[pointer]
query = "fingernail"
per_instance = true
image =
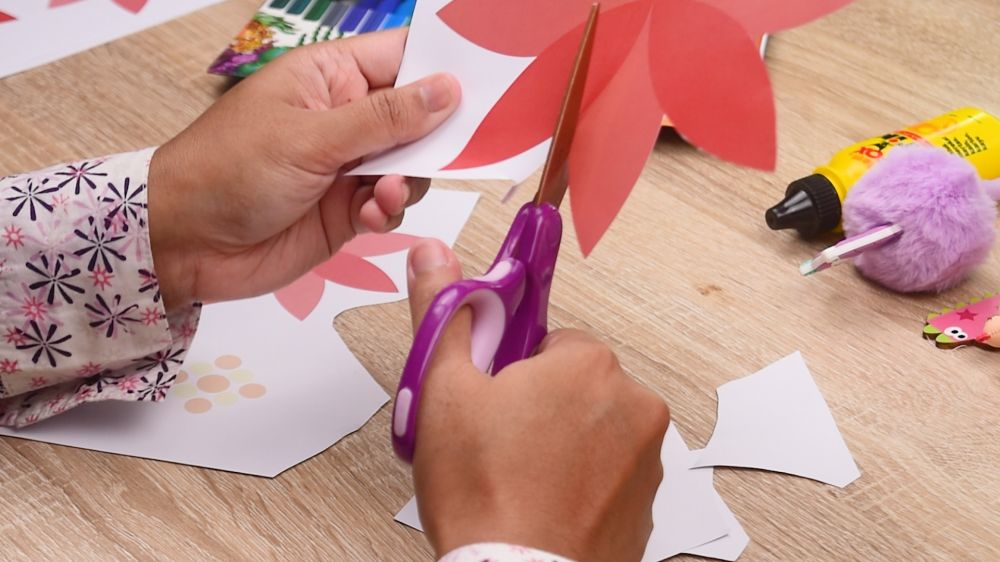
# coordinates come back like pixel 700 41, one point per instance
pixel 427 256
pixel 404 195
pixel 436 92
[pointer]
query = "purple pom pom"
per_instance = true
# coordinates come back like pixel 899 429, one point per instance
pixel 948 219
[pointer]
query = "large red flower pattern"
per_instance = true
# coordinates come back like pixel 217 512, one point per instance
pixel 695 60
pixel 347 267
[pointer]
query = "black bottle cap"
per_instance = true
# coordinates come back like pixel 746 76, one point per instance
pixel 811 206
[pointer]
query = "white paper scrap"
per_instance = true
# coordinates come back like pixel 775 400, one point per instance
pixel 776 419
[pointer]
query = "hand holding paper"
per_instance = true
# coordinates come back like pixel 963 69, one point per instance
pixel 279 203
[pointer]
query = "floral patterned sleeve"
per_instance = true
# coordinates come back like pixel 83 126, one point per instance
pixel 497 552
pixel 81 319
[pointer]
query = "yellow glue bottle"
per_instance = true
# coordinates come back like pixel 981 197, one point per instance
pixel 812 205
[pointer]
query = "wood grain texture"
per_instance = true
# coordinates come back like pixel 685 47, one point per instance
pixel 689 287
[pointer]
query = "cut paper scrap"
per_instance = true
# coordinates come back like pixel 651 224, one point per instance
pixel 688 514
pixel 347 267
pixel 48 31
pixel 694 61
pixel 729 547
pixel 686 511
pixel 5 17
pixel 260 391
pixel 975 322
pixel 776 419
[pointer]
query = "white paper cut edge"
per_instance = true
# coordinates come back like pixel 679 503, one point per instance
pixel 317 391
pixel 776 419
pixel 686 511
pixel 409 515
pixel 41 35
pixel 485 76
pixel 729 547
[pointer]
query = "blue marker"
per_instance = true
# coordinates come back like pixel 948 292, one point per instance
pixel 354 17
pixel 401 16
pixel 374 21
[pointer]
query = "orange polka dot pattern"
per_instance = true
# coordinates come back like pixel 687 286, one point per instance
pixel 221 383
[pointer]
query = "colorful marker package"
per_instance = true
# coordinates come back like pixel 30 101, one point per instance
pixel 281 25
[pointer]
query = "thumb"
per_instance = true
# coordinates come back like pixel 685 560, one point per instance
pixel 391 117
pixel 433 266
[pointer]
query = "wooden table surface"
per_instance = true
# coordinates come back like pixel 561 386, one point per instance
pixel 689 286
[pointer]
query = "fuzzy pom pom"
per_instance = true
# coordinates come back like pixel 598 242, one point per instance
pixel 948 219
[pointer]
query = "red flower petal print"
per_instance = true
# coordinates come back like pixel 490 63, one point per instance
pixel 731 113
pixel 303 296
pixel 768 16
pixel 704 71
pixel 529 27
pixel 526 114
pixel 600 186
pixel 352 271
pixel 5 17
pixel 367 245
pixel 347 268
pixel 134 6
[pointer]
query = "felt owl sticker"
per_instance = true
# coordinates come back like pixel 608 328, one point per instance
pixel 976 322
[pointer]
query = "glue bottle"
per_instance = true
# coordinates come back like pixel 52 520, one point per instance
pixel 812 205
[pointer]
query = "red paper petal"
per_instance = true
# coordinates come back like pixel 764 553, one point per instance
pixel 712 83
pixel 351 271
pixel 134 6
pixel 367 245
pixel 612 144
pixel 767 16
pixel 57 3
pixel 301 297
pixel 526 114
pixel 521 28
pixel 6 17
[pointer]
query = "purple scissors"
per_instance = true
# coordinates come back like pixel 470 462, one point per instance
pixel 510 303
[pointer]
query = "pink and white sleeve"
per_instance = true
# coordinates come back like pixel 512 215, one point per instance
pixel 499 552
pixel 81 318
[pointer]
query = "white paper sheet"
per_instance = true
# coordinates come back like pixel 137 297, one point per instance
pixel 41 34
pixel 776 419
pixel 434 47
pixel 264 391
pixel 687 512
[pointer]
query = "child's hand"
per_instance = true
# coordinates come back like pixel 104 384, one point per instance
pixel 560 452
pixel 251 195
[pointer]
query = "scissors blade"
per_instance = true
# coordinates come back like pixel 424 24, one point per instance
pixel 555 175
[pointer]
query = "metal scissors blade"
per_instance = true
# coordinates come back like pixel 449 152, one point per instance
pixel 555 175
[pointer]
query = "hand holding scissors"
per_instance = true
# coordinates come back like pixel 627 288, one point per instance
pixel 510 302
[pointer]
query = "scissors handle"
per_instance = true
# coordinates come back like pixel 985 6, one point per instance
pixel 509 310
